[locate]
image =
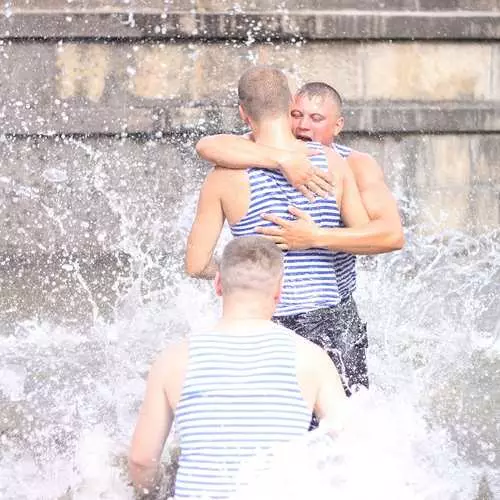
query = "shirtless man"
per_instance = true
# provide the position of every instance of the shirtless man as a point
(317, 116)
(311, 300)
(241, 388)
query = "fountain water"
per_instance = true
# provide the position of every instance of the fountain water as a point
(71, 381)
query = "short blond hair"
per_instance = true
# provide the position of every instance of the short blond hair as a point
(251, 263)
(263, 92)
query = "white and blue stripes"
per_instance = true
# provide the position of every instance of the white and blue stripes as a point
(240, 396)
(345, 263)
(310, 280)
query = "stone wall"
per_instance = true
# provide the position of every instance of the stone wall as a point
(100, 102)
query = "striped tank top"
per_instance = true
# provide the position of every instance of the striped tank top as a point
(309, 281)
(240, 397)
(345, 263)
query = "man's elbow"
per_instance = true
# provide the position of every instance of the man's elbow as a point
(395, 240)
(192, 269)
(201, 147)
(142, 473)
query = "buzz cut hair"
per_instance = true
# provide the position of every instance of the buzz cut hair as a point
(322, 90)
(263, 92)
(252, 264)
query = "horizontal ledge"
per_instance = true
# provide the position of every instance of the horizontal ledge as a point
(98, 120)
(170, 118)
(308, 25)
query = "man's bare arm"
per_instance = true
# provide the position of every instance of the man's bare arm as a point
(331, 401)
(352, 210)
(384, 232)
(239, 152)
(205, 231)
(155, 420)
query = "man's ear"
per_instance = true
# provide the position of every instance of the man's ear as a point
(339, 125)
(277, 293)
(243, 115)
(218, 284)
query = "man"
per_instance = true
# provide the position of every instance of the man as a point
(317, 116)
(237, 390)
(311, 294)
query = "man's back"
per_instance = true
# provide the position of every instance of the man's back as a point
(241, 394)
(310, 281)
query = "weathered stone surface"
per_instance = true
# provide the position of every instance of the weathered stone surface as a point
(495, 72)
(264, 26)
(484, 204)
(122, 76)
(451, 156)
(485, 160)
(444, 181)
(217, 5)
(102, 195)
(82, 196)
(95, 120)
(172, 117)
(430, 71)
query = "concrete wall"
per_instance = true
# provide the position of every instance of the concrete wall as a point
(100, 102)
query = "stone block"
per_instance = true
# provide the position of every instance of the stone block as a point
(339, 65)
(484, 206)
(83, 70)
(197, 71)
(256, 5)
(427, 71)
(212, 5)
(160, 24)
(495, 72)
(161, 72)
(90, 196)
(451, 161)
(442, 209)
(94, 5)
(481, 5)
(485, 160)
(31, 64)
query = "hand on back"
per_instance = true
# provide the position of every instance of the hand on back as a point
(311, 181)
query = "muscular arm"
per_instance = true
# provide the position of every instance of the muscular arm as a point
(151, 431)
(239, 152)
(383, 232)
(205, 231)
(233, 151)
(351, 206)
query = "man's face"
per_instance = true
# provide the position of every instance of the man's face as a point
(316, 119)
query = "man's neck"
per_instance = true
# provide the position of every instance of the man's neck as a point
(245, 312)
(274, 133)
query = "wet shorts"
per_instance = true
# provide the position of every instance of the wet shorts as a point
(340, 332)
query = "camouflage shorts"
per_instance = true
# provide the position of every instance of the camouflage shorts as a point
(340, 331)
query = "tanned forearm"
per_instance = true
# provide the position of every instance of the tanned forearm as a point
(208, 272)
(235, 152)
(375, 237)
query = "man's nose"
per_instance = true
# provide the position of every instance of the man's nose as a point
(304, 124)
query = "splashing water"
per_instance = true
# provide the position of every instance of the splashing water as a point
(427, 429)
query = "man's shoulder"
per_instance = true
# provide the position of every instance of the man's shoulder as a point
(307, 348)
(174, 355)
(365, 167)
(220, 176)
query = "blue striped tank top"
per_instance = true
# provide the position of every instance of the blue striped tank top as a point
(345, 263)
(240, 396)
(310, 281)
